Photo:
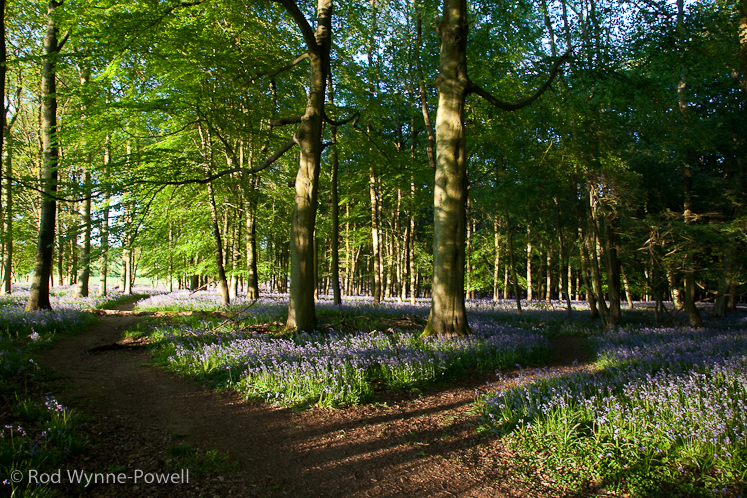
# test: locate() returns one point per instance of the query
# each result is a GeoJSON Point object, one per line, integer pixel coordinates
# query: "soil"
{"type": "Point", "coordinates": [140, 417]}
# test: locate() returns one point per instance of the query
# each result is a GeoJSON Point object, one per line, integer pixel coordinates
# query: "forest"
{"type": "Point", "coordinates": [601, 151]}
{"type": "Point", "coordinates": [491, 182]}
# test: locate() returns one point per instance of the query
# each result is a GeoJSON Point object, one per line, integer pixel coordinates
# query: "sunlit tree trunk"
{"type": "Point", "coordinates": [497, 261]}
{"type": "Point", "coordinates": [39, 292]}
{"type": "Point", "coordinates": [448, 315]}
{"type": "Point", "coordinates": [104, 230]}
{"type": "Point", "coordinates": [84, 262]}
{"type": "Point", "coordinates": [301, 312]}
{"type": "Point", "coordinates": [335, 236]}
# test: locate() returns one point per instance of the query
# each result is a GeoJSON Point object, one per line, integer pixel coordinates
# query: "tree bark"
{"type": "Point", "coordinates": [529, 264]}
{"type": "Point", "coordinates": [252, 277]}
{"type": "Point", "coordinates": [512, 262]}
{"type": "Point", "coordinates": [448, 315]}
{"type": "Point", "coordinates": [335, 236]}
{"type": "Point", "coordinates": [301, 312]}
{"type": "Point", "coordinates": [497, 261]}
{"type": "Point", "coordinates": [222, 283]}
{"type": "Point", "coordinates": [104, 231]}
{"type": "Point", "coordinates": [375, 232]}
{"type": "Point", "coordinates": [84, 263]}
{"type": "Point", "coordinates": [39, 292]}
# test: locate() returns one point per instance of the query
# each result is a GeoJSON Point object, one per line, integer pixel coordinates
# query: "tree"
{"type": "Point", "coordinates": [39, 294]}
{"type": "Point", "coordinates": [448, 316]}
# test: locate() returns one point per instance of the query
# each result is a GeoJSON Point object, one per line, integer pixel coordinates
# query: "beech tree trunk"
{"type": "Point", "coordinates": [301, 312]}
{"type": "Point", "coordinates": [335, 236]}
{"type": "Point", "coordinates": [448, 316]}
{"type": "Point", "coordinates": [512, 262]}
{"type": "Point", "coordinates": [84, 263]}
{"type": "Point", "coordinates": [39, 292]}
{"type": "Point", "coordinates": [222, 283]}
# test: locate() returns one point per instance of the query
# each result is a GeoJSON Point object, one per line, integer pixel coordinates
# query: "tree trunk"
{"type": "Point", "coordinates": [688, 276]}
{"type": "Point", "coordinates": [301, 312]}
{"type": "Point", "coordinates": [497, 261]}
{"type": "Point", "coordinates": [104, 230]}
{"type": "Point", "coordinates": [628, 294]}
{"type": "Point", "coordinates": [375, 233]}
{"type": "Point", "coordinates": [512, 262]}
{"type": "Point", "coordinates": [335, 236]}
{"type": "Point", "coordinates": [39, 292]}
{"type": "Point", "coordinates": [222, 283]}
{"type": "Point", "coordinates": [529, 264]}
{"type": "Point", "coordinates": [612, 247]}
{"type": "Point", "coordinates": [548, 290]}
{"type": "Point", "coordinates": [448, 315]}
{"type": "Point", "coordinates": [84, 262]}
{"type": "Point", "coordinates": [743, 42]}
{"type": "Point", "coordinates": [8, 242]}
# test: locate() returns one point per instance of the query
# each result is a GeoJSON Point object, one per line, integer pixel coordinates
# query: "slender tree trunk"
{"type": "Point", "coordinates": [628, 294]}
{"type": "Point", "coordinates": [497, 261]}
{"type": "Point", "coordinates": [252, 277]}
{"type": "Point", "coordinates": [84, 262]}
{"type": "Point", "coordinates": [548, 290]}
{"type": "Point", "coordinates": [529, 264]}
{"type": "Point", "coordinates": [8, 242]}
{"type": "Point", "coordinates": [743, 42]}
{"type": "Point", "coordinates": [39, 292]}
{"type": "Point", "coordinates": [448, 315]}
{"type": "Point", "coordinates": [411, 248]}
{"type": "Point", "coordinates": [335, 236]}
{"type": "Point", "coordinates": [512, 262]}
{"type": "Point", "coordinates": [222, 283]}
{"type": "Point", "coordinates": [375, 233]}
{"type": "Point", "coordinates": [591, 297]}
{"type": "Point", "coordinates": [688, 276]}
{"type": "Point", "coordinates": [104, 231]}
{"type": "Point", "coordinates": [421, 82]}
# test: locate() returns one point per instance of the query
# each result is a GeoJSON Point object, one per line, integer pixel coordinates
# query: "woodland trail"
{"type": "Point", "coordinates": [139, 416]}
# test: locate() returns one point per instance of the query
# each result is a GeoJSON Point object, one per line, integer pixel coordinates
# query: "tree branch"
{"type": "Point", "coordinates": [272, 74]}
{"type": "Point", "coordinates": [353, 118]}
{"type": "Point", "coordinates": [202, 181]}
{"type": "Point", "coordinates": [286, 121]}
{"type": "Point", "coordinates": [303, 24]}
{"type": "Point", "coordinates": [473, 88]}
{"type": "Point", "coordinates": [64, 40]}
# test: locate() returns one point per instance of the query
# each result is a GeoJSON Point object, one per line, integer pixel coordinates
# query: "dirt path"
{"type": "Point", "coordinates": [409, 446]}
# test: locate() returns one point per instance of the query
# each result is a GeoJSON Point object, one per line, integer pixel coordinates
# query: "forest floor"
{"type": "Point", "coordinates": [142, 418]}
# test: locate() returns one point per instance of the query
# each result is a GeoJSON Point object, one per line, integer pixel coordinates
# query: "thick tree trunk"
{"type": "Point", "coordinates": [612, 246]}
{"type": "Point", "coordinates": [301, 312]}
{"type": "Point", "coordinates": [448, 315]}
{"type": "Point", "coordinates": [39, 292]}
